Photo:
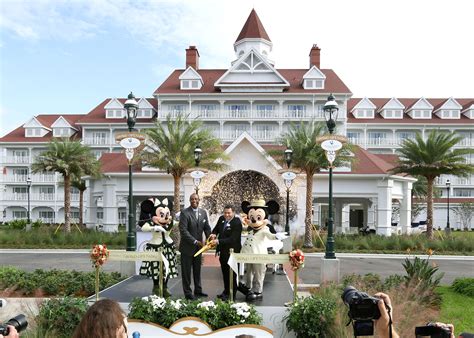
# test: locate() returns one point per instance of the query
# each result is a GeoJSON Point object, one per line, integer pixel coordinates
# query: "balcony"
{"type": "Point", "coordinates": [236, 114]}
{"type": "Point", "coordinates": [36, 197]}
{"type": "Point", "coordinates": [265, 114]}
{"type": "Point", "coordinates": [441, 181]}
{"type": "Point", "coordinates": [376, 142]}
{"type": "Point", "coordinates": [207, 114]}
{"type": "Point", "coordinates": [297, 114]}
{"type": "Point", "coordinates": [15, 160]}
{"type": "Point", "coordinates": [466, 142]}
{"type": "Point", "coordinates": [74, 197]}
{"type": "Point", "coordinates": [265, 135]}
{"type": "Point", "coordinates": [232, 134]}
{"type": "Point", "coordinates": [96, 141]}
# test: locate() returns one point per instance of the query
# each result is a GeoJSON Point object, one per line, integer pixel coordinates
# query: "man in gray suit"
{"type": "Point", "coordinates": [193, 221]}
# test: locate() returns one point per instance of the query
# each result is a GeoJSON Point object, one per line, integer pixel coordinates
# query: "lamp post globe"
{"type": "Point", "coordinates": [448, 186]}
{"type": "Point", "coordinates": [197, 155]}
{"type": "Point", "coordinates": [331, 110]}
{"type": "Point", "coordinates": [131, 108]}
{"type": "Point", "coordinates": [288, 157]}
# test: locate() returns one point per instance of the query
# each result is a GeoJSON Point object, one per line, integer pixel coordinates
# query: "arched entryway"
{"type": "Point", "coordinates": [245, 185]}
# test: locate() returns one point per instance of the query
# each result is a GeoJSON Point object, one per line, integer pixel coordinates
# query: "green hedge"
{"type": "Point", "coordinates": [54, 282]}
{"type": "Point", "coordinates": [44, 237]}
{"type": "Point", "coordinates": [464, 286]}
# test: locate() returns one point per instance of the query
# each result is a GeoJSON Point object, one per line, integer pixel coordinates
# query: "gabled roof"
{"type": "Point", "coordinates": [243, 78]}
{"type": "Point", "coordinates": [422, 102]}
{"type": "Point", "coordinates": [64, 123]}
{"type": "Point", "coordinates": [253, 28]}
{"type": "Point", "coordinates": [144, 103]}
{"type": "Point", "coordinates": [97, 115]}
{"type": "Point", "coordinates": [34, 123]}
{"type": "Point", "coordinates": [451, 102]}
{"type": "Point", "coordinates": [393, 103]}
{"type": "Point", "coordinates": [408, 102]}
{"type": "Point", "coordinates": [362, 103]}
{"type": "Point", "coordinates": [333, 83]}
{"type": "Point", "coordinates": [190, 74]}
{"type": "Point", "coordinates": [18, 135]}
{"type": "Point", "coordinates": [468, 106]}
{"type": "Point", "coordinates": [314, 73]}
{"type": "Point", "coordinates": [114, 104]}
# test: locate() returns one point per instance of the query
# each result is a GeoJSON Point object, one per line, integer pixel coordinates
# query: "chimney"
{"type": "Point", "coordinates": [192, 57]}
{"type": "Point", "coordinates": [315, 56]}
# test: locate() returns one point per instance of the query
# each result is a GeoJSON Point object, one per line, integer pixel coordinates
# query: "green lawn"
{"type": "Point", "coordinates": [457, 309]}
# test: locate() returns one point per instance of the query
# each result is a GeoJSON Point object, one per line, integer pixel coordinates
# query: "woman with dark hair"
{"type": "Point", "coordinates": [104, 319]}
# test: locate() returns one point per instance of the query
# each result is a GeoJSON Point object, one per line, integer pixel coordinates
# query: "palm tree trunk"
{"type": "Point", "coordinates": [177, 189]}
{"type": "Point", "coordinates": [429, 205]}
{"type": "Point", "coordinates": [308, 220]}
{"type": "Point", "coordinates": [175, 235]}
{"type": "Point", "coordinates": [67, 203]}
{"type": "Point", "coordinates": [81, 206]}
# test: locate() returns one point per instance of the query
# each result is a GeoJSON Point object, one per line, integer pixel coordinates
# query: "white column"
{"type": "Point", "coordinates": [337, 205]}
{"type": "Point", "coordinates": [371, 215]}
{"type": "Point", "coordinates": [366, 214]}
{"type": "Point", "coordinates": [188, 189]}
{"type": "Point", "coordinates": [110, 205]}
{"type": "Point", "coordinates": [405, 208]}
{"type": "Point", "coordinates": [384, 207]}
{"type": "Point", "coordinates": [301, 205]}
{"type": "Point", "coordinates": [345, 218]}
{"type": "Point", "coordinates": [90, 216]}
{"type": "Point", "coordinates": [280, 108]}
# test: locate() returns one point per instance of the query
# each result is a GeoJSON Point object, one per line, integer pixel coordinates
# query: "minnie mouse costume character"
{"type": "Point", "coordinates": [257, 219]}
{"type": "Point", "coordinates": [156, 217]}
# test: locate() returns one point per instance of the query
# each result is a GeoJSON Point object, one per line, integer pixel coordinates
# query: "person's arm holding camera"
{"type": "Point", "coordinates": [385, 322]}
{"type": "Point", "coordinates": [12, 332]}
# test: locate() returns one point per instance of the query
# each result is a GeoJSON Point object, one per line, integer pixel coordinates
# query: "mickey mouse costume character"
{"type": "Point", "coordinates": [156, 217]}
{"type": "Point", "coordinates": [257, 219]}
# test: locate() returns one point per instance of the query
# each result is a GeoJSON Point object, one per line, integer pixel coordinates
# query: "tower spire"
{"type": "Point", "coordinates": [253, 28]}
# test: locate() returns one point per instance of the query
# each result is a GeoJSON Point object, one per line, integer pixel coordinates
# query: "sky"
{"type": "Point", "coordinates": [65, 57]}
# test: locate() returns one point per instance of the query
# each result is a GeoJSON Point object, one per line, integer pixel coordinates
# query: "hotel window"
{"type": "Point", "coordinates": [313, 84]}
{"type": "Point", "coordinates": [144, 113]}
{"type": "Point", "coordinates": [296, 110]}
{"type": "Point", "coordinates": [20, 190]}
{"type": "Point", "coordinates": [37, 132]}
{"type": "Point", "coordinates": [376, 135]}
{"type": "Point", "coordinates": [100, 214]}
{"type": "Point", "coordinates": [462, 192]}
{"type": "Point", "coordinates": [46, 190]}
{"type": "Point", "coordinates": [364, 113]}
{"type": "Point", "coordinates": [19, 214]}
{"type": "Point", "coordinates": [185, 83]}
{"type": "Point", "coordinates": [265, 110]}
{"type": "Point", "coordinates": [206, 108]}
{"type": "Point", "coordinates": [421, 114]}
{"type": "Point", "coordinates": [49, 215]}
{"type": "Point", "coordinates": [177, 108]}
{"type": "Point", "coordinates": [20, 172]}
{"type": "Point", "coordinates": [194, 84]}
{"type": "Point", "coordinates": [352, 135]}
{"type": "Point", "coordinates": [114, 113]}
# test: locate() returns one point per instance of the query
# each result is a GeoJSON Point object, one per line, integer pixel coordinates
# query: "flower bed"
{"type": "Point", "coordinates": [217, 314]}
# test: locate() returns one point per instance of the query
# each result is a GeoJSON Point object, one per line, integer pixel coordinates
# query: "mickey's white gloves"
{"type": "Point", "coordinates": [159, 228]}
{"type": "Point", "coordinates": [281, 235]}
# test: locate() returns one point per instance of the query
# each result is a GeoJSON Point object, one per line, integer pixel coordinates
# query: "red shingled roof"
{"type": "Point", "coordinates": [253, 28]}
{"type": "Point", "coordinates": [18, 135]}
{"type": "Point", "coordinates": [97, 115]}
{"type": "Point", "coordinates": [116, 163]}
{"type": "Point", "coordinates": [408, 103]}
{"type": "Point", "coordinates": [333, 83]}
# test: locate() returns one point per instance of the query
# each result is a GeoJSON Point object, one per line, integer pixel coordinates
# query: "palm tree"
{"type": "Point", "coordinates": [432, 158]}
{"type": "Point", "coordinates": [309, 157]}
{"type": "Point", "coordinates": [69, 158]}
{"type": "Point", "coordinates": [93, 169]}
{"type": "Point", "coordinates": [171, 146]}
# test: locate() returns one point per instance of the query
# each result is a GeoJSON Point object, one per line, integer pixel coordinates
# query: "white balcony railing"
{"type": "Point", "coordinates": [42, 197]}
{"type": "Point", "coordinates": [236, 114]}
{"type": "Point", "coordinates": [466, 142]}
{"type": "Point", "coordinates": [265, 135]}
{"type": "Point", "coordinates": [74, 197]}
{"type": "Point", "coordinates": [15, 159]}
{"type": "Point", "coordinates": [16, 178]}
{"type": "Point", "coordinates": [454, 181]}
{"type": "Point", "coordinates": [207, 114]}
{"type": "Point", "coordinates": [43, 178]}
{"type": "Point", "coordinates": [96, 141]}
{"type": "Point", "coordinates": [265, 114]}
{"type": "Point", "coordinates": [232, 134]}
{"type": "Point", "coordinates": [16, 196]}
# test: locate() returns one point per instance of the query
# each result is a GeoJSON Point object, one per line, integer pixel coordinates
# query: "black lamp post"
{"type": "Point", "coordinates": [448, 186]}
{"type": "Point", "coordinates": [131, 107]}
{"type": "Point", "coordinates": [197, 159]}
{"type": "Point", "coordinates": [28, 184]}
{"type": "Point", "coordinates": [330, 112]}
{"type": "Point", "coordinates": [288, 183]}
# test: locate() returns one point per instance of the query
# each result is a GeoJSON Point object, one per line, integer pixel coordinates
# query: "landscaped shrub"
{"type": "Point", "coordinates": [312, 317]}
{"type": "Point", "coordinates": [59, 317]}
{"type": "Point", "coordinates": [54, 282]}
{"type": "Point", "coordinates": [18, 224]}
{"type": "Point", "coordinates": [372, 281]}
{"type": "Point", "coordinates": [422, 273]}
{"type": "Point", "coordinates": [217, 314]}
{"type": "Point", "coordinates": [464, 286]}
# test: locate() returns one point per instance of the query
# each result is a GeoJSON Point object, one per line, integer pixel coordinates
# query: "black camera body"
{"type": "Point", "coordinates": [363, 310]}
{"type": "Point", "coordinates": [432, 331]}
{"type": "Point", "coordinates": [19, 322]}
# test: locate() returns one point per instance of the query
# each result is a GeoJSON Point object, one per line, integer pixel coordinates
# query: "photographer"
{"type": "Point", "coordinates": [382, 325]}
{"type": "Point", "coordinates": [12, 332]}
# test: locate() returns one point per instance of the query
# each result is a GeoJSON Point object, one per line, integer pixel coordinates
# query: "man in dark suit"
{"type": "Point", "coordinates": [226, 235]}
{"type": "Point", "coordinates": [193, 222]}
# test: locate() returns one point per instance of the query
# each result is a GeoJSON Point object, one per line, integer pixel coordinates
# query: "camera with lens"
{"type": "Point", "coordinates": [19, 322]}
{"type": "Point", "coordinates": [432, 331]}
{"type": "Point", "coordinates": [363, 310]}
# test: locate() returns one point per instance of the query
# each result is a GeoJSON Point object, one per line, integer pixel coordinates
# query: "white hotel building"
{"type": "Point", "coordinates": [248, 106]}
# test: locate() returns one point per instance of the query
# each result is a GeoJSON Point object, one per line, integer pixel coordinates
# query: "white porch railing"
{"type": "Point", "coordinates": [265, 135]}
{"type": "Point", "coordinates": [15, 159]}
{"type": "Point", "coordinates": [454, 181]}
{"type": "Point", "coordinates": [232, 134]}
{"type": "Point", "coordinates": [236, 114]}
{"type": "Point", "coordinates": [74, 197]}
{"type": "Point", "coordinates": [96, 141]}
{"type": "Point", "coordinates": [43, 178]}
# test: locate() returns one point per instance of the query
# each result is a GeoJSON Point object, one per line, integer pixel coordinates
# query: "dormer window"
{"type": "Point", "coordinates": [314, 84]}
{"type": "Point", "coordinates": [190, 79]}
{"type": "Point", "coordinates": [144, 113]}
{"type": "Point", "coordinates": [421, 114]}
{"type": "Point", "coordinates": [114, 113]}
{"type": "Point", "coordinates": [392, 113]}
{"type": "Point", "coordinates": [314, 79]}
{"type": "Point", "coordinates": [33, 132]}
{"type": "Point", "coordinates": [364, 113]}
{"type": "Point", "coordinates": [61, 132]}
{"type": "Point", "coordinates": [449, 114]}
